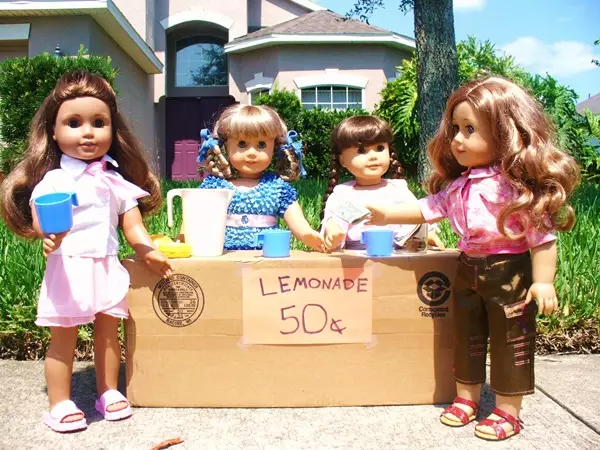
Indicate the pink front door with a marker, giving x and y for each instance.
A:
(184, 165)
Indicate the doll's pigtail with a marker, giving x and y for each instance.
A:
(335, 169)
(287, 165)
(218, 164)
(289, 157)
(210, 153)
(396, 170)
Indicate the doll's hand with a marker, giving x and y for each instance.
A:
(333, 236)
(314, 240)
(434, 239)
(378, 215)
(159, 263)
(545, 295)
(52, 242)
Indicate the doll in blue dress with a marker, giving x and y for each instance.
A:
(251, 136)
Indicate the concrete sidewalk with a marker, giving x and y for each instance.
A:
(562, 415)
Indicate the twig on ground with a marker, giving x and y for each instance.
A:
(167, 443)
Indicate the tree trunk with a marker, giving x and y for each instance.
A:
(437, 68)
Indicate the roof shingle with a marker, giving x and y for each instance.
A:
(318, 22)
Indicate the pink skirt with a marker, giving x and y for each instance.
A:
(76, 288)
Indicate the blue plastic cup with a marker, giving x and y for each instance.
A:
(378, 242)
(55, 211)
(275, 243)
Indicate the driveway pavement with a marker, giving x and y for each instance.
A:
(563, 414)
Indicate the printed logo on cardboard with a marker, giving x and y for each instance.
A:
(434, 290)
(178, 301)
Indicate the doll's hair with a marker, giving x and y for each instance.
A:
(256, 122)
(527, 154)
(357, 131)
(43, 153)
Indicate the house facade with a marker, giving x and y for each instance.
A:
(181, 61)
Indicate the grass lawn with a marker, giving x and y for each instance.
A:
(578, 277)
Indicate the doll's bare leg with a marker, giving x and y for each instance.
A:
(107, 356)
(470, 392)
(511, 405)
(58, 367)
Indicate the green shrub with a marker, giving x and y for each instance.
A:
(317, 125)
(287, 104)
(399, 107)
(24, 83)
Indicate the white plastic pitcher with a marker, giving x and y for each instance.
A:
(204, 218)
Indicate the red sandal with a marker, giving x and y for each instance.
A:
(461, 414)
(496, 424)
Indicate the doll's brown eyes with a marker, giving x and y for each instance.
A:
(261, 144)
(362, 150)
(98, 123)
(469, 129)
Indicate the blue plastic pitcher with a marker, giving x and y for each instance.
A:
(276, 243)
(55, 211)
(379, 242)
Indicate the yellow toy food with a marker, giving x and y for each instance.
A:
(171, 249)
(176, 249)
(159, 238)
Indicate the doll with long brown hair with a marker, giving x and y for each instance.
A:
(504, 185)
(237, 156)
(364, 146)
(79, 143)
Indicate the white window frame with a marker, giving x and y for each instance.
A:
(258, 83)
(316, 103)
(255, 91)
(333, 77)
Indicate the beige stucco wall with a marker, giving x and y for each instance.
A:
(135, 88)
(135, 12)
(264, 13)
(46, 32)
(285, 63)
(13, 50)
(134, 85)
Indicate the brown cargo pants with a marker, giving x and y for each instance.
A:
(488, 297)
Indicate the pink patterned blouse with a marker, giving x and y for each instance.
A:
(472, 203)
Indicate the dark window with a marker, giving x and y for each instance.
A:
(200, 61)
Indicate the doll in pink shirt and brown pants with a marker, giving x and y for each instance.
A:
(503, 185)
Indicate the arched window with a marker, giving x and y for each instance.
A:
(200, 61)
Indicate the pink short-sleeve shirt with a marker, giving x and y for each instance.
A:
(103, 196)
(472, 203)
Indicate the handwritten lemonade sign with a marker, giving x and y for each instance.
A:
(307, 306)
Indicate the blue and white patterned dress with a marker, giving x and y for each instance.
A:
(260, 205)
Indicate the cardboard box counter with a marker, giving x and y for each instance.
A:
(197, 339)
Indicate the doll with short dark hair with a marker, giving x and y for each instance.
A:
(364, 146)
